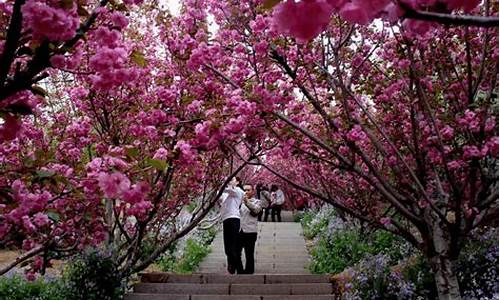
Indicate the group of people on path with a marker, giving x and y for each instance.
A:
(241, 207)
(271, 200)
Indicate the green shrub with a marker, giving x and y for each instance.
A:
(394, 247)
(298, 216)
(312, 226)
(18, 288)
(376, 277)
(93, 275)
(335, 253)
(195, 250)
(168, 260)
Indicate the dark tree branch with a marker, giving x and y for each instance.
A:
(449, 19)
(13, 35)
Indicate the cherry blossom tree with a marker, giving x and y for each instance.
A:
(394, 126)
(392, 122)
(120, 146)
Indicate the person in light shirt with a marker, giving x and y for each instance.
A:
(277, 201)
(249, 211)
(230, 215)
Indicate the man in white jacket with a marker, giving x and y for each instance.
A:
(230, 215)
(249, 211)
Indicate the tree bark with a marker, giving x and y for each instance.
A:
(440, 258)
(445, 278)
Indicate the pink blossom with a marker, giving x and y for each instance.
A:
(261, 47)
(447, 132)
(235, 125)
(57, 61)
(471, 152)
(188, 154)
(356, 134)
(140, 210)
(417, 26)
(137, 193)
(108, 58)
(294, 18)
(56, 24)
(454, 165)
(493, 146)
(41, 219)
(194, 106)
(354, 13)
(119, 20)
(27, 225)
(161, 153)
(113, 185)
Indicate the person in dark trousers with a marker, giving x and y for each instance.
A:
(262, 194)
(230, 215)
(249, 211)
(277, 201)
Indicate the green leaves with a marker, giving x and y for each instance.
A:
(138, 58)
(132, 152)
(45, 173)
(158, 164)
(53, 215)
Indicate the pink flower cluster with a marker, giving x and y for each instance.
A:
(46, 21)
(307, 18)
(113, 185)
(356, 134)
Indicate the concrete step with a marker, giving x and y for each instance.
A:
(209, 278)
(235, 288)
(226, 297)
(284, 266)
(182, 288)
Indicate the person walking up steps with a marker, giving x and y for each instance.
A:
(277, 201)
(264, 196)
(230, 215)
(249, 211)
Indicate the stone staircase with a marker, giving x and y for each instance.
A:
(210, 286)
(280, 249)
(281, 272)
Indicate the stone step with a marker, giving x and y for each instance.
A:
(235, 288)
(300, 271)
(226, 297)
(209, 278)
(293, 265)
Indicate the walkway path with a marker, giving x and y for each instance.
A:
(281, 273)
(280, 249)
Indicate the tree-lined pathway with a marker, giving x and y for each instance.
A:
(280, 272)
(280, 249)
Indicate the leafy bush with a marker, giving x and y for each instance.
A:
(195, 249)
(314, 222)
(194, 253)
(93, 275)
(341, 250)
(478, 266)
(477, 272)
(18, 288)
(297, 217)
(373, 279)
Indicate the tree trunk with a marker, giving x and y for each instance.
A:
(439, 255)
(445, 278)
